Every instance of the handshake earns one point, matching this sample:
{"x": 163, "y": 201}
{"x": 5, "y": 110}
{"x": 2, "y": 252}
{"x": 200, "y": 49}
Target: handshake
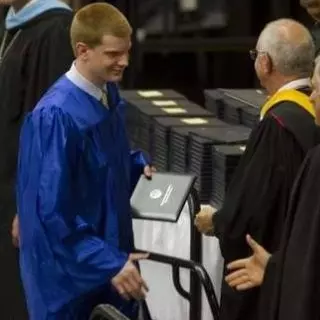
{"x": 129, "y": 283}
{"x": 243, "y": 274}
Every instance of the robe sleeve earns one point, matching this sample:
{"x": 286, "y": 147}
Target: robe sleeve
{"x": 300, "y": 281}
{"x": 47, "y": 164}
{"x": 291, "y": 280}
{"x": 269, "y": 292}
{"x": 258, "y": 196}
{"x": 138, "y": 161}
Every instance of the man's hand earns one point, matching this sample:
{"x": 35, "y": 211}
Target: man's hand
{"x": 203, "y": 220}
{"x": 148, "y": 170}
{"x": 128, "y": 282}
{"x": 249, "y": 273}
{"x": 15, "y": 231}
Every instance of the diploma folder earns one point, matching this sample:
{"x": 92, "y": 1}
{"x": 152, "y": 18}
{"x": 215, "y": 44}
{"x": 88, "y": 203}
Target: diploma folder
{"x": 161, "y": 198}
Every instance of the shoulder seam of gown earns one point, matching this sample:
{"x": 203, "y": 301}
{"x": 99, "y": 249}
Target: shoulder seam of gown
{"x": 278, "y": 119}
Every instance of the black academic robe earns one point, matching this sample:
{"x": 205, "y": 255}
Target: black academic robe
{"x": 315, "y": 32}
{"x": 37, "y": 58}
{"x": 257, "y": 200}
{"x": 292, "y": 286}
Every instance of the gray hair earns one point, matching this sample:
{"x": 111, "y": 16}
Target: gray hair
{"x": 291, "y": 55}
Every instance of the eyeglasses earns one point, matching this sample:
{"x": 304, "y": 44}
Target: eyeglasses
{"x": 254, "y": 53}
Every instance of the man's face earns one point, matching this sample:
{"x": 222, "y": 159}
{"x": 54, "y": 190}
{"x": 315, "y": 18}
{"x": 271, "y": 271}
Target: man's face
{"x": 107, "y": 61}
{"x": 315, "y": 96}
{"x": 312, "y": 7}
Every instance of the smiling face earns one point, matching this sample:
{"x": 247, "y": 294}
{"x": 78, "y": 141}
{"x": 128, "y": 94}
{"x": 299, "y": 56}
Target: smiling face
{"x": 101, "y": 41}
{"x": 106, "y": 61}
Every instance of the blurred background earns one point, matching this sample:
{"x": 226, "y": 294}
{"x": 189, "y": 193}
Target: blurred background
{"x": 189, "y": 45}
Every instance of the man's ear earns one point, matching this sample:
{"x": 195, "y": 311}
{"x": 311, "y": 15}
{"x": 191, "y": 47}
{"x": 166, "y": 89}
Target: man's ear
{"x": 266, "y": 63}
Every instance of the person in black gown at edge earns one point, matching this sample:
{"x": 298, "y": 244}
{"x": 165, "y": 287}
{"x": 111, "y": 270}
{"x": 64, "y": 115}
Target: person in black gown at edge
{"x": 313, "y": 9}
{"x": 290, "y": 277}
{"x": 272, "y": 277}
{"x": 34, "y": 52}
{"x": 258, "y": 196}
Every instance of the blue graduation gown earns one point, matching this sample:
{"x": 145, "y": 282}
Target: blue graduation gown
{"x": 74, "y": 185}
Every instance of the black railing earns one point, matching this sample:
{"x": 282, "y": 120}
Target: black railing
{"x": 199, "y": 277}
{"x": 202, "y": 278}
{"x": 107, "y": 312}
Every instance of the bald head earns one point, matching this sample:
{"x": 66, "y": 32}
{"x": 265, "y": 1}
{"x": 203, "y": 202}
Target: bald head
{"x": 286, "y": 30}
{"x": 290, "y": 47}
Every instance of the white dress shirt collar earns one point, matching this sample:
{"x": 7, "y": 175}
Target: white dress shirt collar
{"x": 81, "y": 82}
{"x": 296, "y": 84}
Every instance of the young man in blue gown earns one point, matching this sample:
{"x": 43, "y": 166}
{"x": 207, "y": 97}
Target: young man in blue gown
{"x": 75, "y": 178}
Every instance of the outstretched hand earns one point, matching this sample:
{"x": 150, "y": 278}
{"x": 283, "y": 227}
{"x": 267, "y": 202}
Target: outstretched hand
{"x": 249, "y": 272}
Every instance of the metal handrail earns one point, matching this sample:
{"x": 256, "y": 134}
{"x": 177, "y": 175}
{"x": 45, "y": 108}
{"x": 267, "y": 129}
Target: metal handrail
{"x": 198, "y": 276}
{"x": 198, "y": 271}
{"x": 107, "y": 312}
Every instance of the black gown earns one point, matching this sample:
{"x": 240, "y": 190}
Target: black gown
{"x": 258, "y": 197}
{"x": 315, "y": 32}
{"x": 292, "y": 286}
{"x": 40, "y": 54}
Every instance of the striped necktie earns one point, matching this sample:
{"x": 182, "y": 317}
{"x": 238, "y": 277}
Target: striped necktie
{"x": 104, "y": 98}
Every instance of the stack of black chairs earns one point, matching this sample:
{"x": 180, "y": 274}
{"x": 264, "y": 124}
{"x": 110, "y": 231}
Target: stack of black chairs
{"x": 140, "y": 122}
{"x": 236, "y": 106}
{"x": 138, "y": 133}
{"x": 201, "y": 153}
{"x": 179, "y": 155}
{"x": 163, "y": 151}
{"x": 183, "y": 137}
{"x": 179, "y": 144}
{"x": 225, "y": 161}
{"x": 162, "y": 94}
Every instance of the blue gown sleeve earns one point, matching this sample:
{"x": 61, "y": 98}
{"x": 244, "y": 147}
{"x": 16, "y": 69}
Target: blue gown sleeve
{"x": 138, "y": 161}
{"x": 49, "y": 156}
